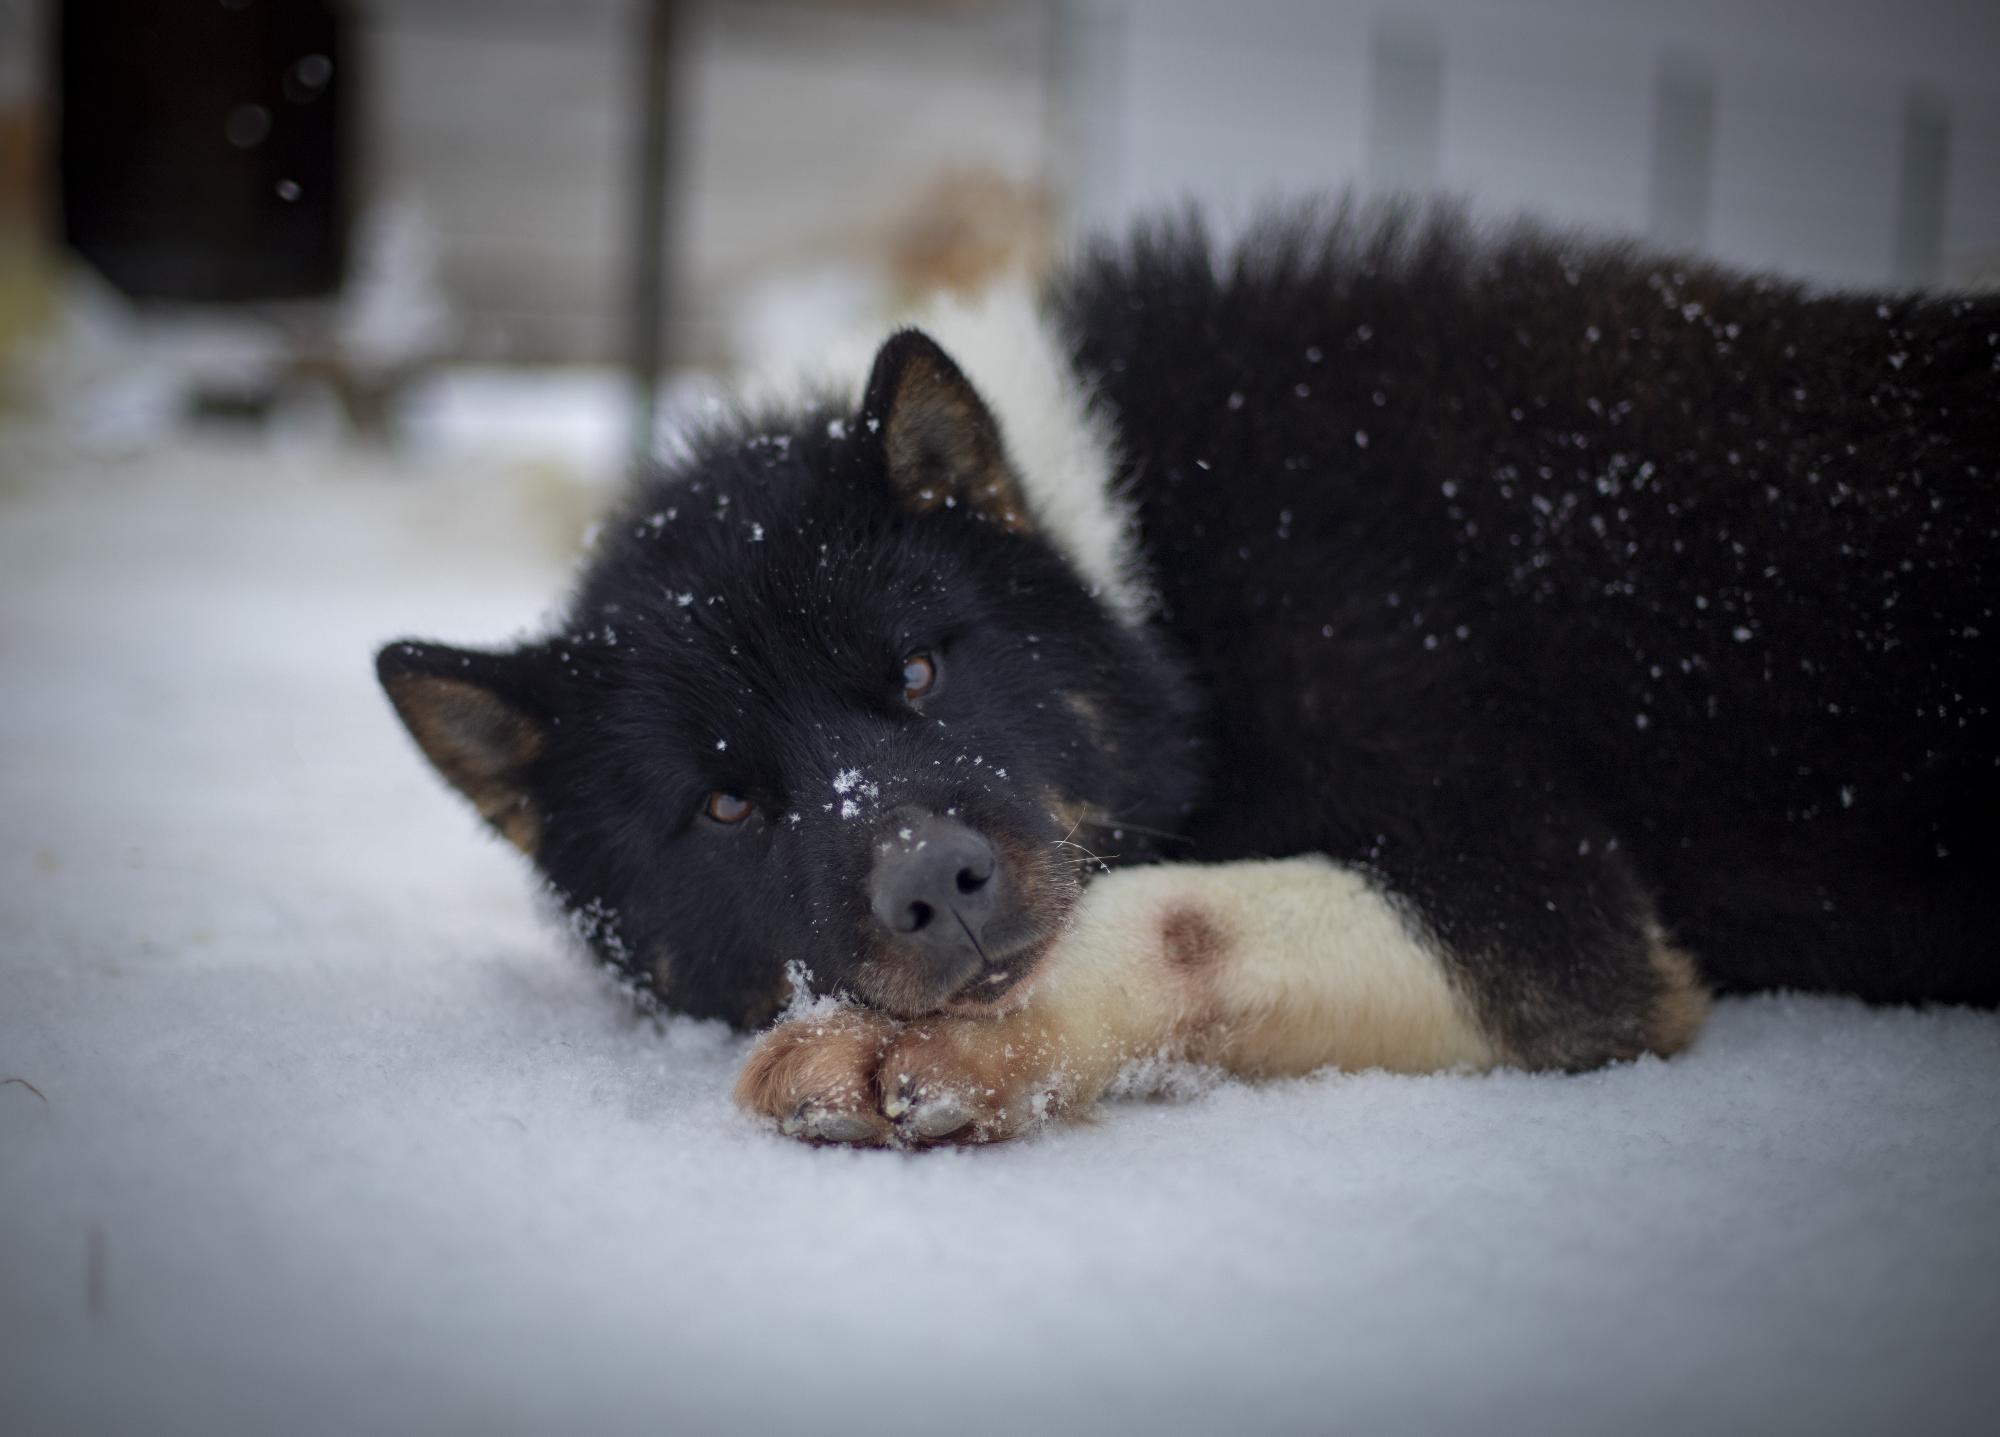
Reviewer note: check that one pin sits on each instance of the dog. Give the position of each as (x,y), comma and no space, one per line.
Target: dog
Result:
(1377,642)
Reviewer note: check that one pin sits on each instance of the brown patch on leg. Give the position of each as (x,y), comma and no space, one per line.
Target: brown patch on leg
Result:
(1191,940)
(1682,1004)
(888,978)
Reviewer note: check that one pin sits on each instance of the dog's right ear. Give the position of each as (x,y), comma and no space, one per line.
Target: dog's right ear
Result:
(473,716)
(937,440)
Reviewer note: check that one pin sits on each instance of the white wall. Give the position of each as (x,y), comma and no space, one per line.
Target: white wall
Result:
(1550,105)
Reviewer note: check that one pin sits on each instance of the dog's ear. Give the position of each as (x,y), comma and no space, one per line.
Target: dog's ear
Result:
(939,443)
(472,715)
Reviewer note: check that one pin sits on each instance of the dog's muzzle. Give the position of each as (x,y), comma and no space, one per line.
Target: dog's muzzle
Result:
(934,886)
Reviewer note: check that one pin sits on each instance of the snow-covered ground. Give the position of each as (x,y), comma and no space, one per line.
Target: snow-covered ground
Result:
(330,1131)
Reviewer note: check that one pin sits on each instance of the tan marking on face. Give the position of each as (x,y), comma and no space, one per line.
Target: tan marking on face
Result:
(892,980)
(1068,813)
(1090,713)
(1043,884)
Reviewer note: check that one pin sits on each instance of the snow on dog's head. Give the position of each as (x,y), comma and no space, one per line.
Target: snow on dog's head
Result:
(828,696)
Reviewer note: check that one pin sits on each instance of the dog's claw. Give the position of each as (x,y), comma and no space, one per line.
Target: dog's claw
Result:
(817,1124)
(840,1128)
(939,1119)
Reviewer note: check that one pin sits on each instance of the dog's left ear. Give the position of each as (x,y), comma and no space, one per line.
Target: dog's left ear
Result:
(478,721)
(940,444)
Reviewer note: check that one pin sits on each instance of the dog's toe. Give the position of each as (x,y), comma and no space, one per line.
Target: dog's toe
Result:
(815,1077)
(857,1077)
(967,1080)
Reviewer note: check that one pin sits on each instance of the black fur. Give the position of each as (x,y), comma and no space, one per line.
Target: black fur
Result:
(1574,592)
(742,628)
(1559,582)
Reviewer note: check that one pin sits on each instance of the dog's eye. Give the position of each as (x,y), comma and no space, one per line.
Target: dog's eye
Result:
(920,675)
(726,807)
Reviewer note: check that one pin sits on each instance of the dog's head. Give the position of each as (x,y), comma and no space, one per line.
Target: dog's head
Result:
(828,697)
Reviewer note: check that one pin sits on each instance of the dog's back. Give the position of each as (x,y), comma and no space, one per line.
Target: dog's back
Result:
(1637,554)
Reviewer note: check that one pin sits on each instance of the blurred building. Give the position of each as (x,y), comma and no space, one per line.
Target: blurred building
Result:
(1843,141)
(826,155)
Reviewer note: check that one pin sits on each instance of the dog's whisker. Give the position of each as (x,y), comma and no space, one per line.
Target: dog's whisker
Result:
(1101,860)
(976,946)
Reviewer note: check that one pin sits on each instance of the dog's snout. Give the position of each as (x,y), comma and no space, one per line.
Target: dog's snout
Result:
(934,881)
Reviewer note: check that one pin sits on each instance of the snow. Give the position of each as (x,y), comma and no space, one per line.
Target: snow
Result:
(853,786)
(338,1133)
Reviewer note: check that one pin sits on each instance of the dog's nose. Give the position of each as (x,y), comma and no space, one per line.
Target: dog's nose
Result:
(935,882)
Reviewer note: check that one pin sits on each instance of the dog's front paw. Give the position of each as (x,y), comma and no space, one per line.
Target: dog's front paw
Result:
(855,1076)
(971,1080)
(816,1077)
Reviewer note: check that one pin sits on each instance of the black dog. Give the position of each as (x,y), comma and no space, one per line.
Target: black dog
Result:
(1503,641)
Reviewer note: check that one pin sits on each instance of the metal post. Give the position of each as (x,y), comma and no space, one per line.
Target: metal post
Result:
(1923,188)
(649,230)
